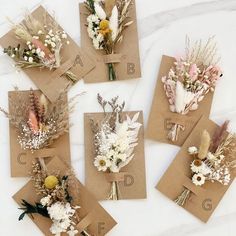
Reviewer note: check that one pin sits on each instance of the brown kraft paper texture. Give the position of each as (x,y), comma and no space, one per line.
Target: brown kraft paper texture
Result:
(51,82)
(93,217)
(203,199)
(21,160)
(126,57)
(161,118)
(132,178)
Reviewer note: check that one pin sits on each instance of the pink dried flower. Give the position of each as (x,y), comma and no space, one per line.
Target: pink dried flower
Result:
(193,72)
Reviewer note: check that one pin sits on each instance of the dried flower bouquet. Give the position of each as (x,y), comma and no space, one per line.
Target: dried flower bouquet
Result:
(37,121)
(190,79)
(39,46)
(115,138)
(213,161)
(56,199)
(106,23)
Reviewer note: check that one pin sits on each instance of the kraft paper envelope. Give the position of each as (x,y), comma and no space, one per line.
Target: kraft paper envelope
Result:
(126,57)
(160,117)
(92,216)
(203,199)
(51,82)
(132,178)
(21,160)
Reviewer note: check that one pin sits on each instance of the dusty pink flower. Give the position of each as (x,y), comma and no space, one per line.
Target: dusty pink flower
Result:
(193,72)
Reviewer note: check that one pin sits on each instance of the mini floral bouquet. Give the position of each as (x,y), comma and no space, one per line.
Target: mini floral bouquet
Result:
(38,122)
(213,161)
(56,200)
(190,80)
(106,23)
(115,139)
(40,45)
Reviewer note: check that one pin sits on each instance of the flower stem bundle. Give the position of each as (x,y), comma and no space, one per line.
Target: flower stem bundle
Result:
(56,200)
(190,80)
(115,138)
(213,161)
(37,121)
(40,45)
(106,23)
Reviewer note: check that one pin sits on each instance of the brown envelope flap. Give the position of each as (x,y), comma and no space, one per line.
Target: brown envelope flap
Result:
(112,58)
(102,221)
(85,222)
(47,152)
(180,180)
(62,69)
(82,64)
(185,120)
(119,177)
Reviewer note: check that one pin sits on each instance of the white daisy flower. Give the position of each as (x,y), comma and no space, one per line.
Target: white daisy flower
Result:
(102,163)
(198,179)
(196,166)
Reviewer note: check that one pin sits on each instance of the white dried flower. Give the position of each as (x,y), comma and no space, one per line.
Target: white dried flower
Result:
(99,11)
(197,165)
(102,163)
(64,36)
(192,150)
(46,200)
(198,179)
(53,44)
(61,214)
(31,59)
(114,23)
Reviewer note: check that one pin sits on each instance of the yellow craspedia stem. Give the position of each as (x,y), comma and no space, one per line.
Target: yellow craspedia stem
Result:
(104,24)
(104,27)
(51,182)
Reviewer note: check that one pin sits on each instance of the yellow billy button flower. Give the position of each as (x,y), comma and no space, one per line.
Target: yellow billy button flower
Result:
(51,182)
(104,27)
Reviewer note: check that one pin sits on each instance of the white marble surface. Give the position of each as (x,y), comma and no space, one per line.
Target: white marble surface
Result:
(162,29)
